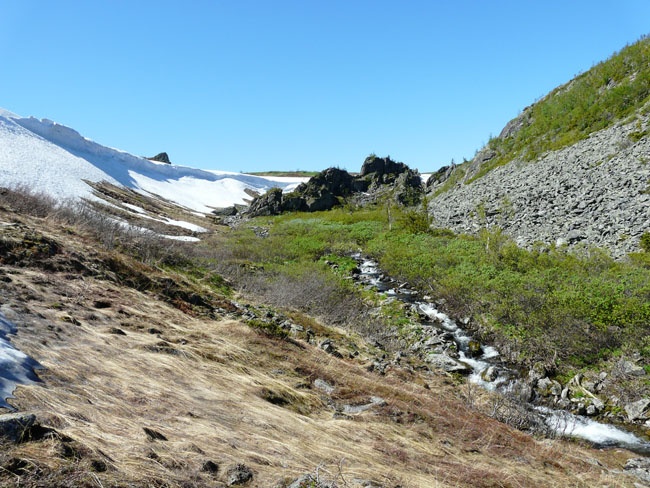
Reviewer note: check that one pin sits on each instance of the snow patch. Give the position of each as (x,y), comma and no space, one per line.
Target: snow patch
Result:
(54,159)
(16,367)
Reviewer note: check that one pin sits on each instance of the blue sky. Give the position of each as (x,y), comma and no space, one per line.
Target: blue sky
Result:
(251,85)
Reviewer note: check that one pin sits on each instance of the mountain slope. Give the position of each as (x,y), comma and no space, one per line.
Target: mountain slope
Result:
(155,378)
(572,169)
(55,159)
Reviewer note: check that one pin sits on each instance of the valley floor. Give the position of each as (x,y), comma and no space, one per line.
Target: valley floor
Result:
(141,391)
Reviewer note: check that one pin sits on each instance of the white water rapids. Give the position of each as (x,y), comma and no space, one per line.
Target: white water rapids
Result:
(562,422)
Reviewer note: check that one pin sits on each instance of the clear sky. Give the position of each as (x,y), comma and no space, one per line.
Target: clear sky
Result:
(251,85)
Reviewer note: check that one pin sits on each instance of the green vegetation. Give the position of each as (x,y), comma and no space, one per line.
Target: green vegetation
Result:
(580,308)
(607,93)
(644,242)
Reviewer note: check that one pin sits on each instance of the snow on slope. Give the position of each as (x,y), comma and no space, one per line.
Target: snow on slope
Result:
(16,368)
(55,159)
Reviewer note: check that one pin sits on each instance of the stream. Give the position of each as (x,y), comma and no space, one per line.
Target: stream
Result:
(484,367)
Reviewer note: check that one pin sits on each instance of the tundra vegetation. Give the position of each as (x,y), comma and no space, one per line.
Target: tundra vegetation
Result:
(196,379)
(609,92)
(252,356)
(581,308)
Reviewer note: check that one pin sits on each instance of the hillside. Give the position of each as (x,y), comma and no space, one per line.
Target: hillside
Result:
(347,331)
(157,372)
(571,169)
(54,159)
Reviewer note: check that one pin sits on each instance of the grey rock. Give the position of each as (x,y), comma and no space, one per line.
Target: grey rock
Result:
(162,157)
(225,211)
(575,236)
(333,186)
(628,368)
(446,363)
(309,481)
(637,410)
(489,374)
(210,467)
(536,373)
(238,475)
(328,346)
(354,409)
(548,387)
(577,196)
(324,385)
(640,467)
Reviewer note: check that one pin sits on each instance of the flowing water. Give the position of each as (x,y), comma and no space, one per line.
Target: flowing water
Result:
(502,378)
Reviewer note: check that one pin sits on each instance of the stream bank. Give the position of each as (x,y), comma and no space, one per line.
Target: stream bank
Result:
(444,344)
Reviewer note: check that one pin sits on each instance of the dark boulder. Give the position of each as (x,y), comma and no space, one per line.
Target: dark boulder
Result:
(268,204)
(15,427)
(336,181)
(382,170)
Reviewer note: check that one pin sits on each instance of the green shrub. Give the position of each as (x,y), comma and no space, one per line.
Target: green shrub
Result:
(644,242)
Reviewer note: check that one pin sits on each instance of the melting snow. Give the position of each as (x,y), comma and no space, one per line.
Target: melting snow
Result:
(16,368)
(183,238)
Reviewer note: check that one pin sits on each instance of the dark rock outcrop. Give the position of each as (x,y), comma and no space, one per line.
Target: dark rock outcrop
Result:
(162,157)
(268,204)
(334,186)
(15,427)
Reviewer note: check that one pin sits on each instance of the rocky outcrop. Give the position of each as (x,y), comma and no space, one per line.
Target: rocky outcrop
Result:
(15,427)
(594,193)
(268,204)
(161,158)
(334,186)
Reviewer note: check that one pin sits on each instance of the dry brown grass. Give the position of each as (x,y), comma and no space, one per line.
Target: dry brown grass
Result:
(219,391)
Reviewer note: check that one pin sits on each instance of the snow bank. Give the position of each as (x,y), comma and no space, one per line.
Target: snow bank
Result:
(55,159)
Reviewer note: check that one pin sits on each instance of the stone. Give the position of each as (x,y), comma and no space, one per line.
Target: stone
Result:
(310,481)
(225,211)
(154,435)
(628,368)
(637,410)
(575,236)
(489,374)
(573,195)
(268,204)
(474,348)
(328,346)
(210,467)
(333,186)
(324,386)
(15,427)
(446,363)
(238,475)
(162,157)
(640,467)
(536,373)
(548,387)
